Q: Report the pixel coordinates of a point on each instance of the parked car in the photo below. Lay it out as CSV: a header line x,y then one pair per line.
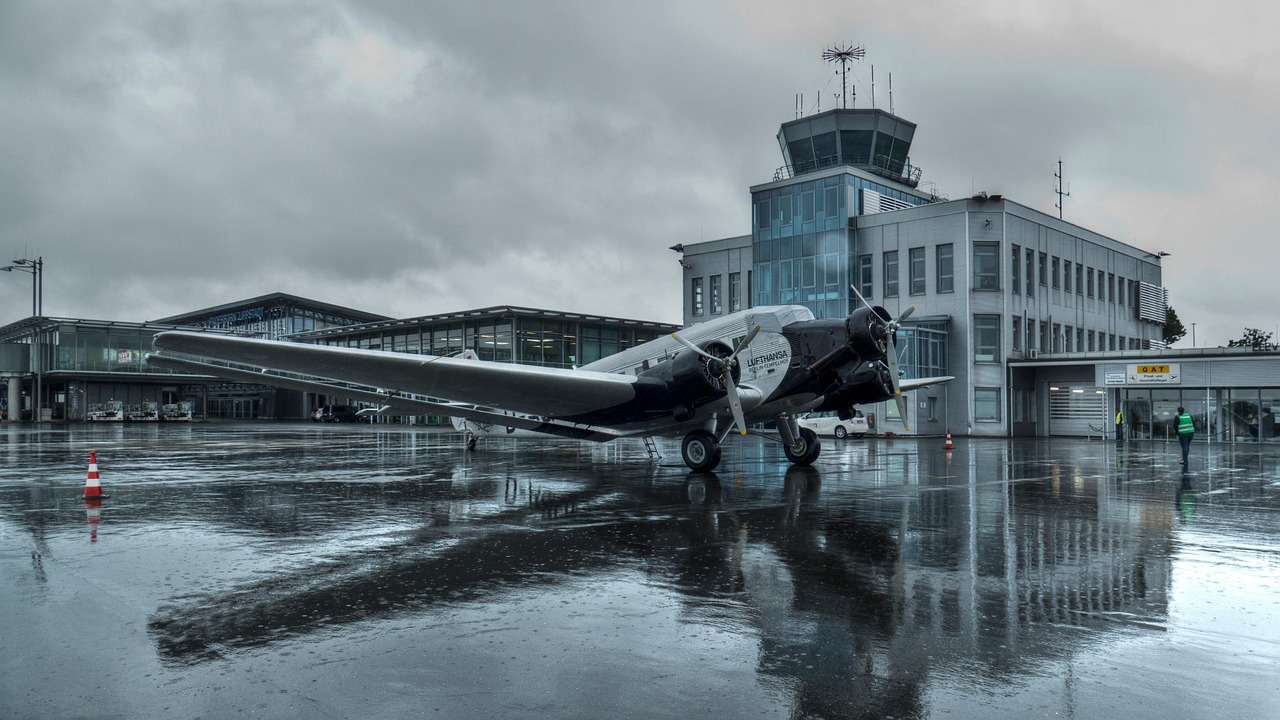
x,y
830,425
338,413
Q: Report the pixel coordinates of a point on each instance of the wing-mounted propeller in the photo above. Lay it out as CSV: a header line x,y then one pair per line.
x,y
723,368
891,354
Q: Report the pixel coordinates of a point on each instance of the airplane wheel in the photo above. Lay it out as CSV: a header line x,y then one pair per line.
x,y
701,451
806,448
841,433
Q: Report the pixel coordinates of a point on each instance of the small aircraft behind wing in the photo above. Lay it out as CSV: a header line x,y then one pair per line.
x,y
765,364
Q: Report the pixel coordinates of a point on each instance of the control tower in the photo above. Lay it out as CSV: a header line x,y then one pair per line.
x,y
871,140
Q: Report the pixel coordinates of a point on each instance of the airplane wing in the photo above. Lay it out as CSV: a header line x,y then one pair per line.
x,y
388,401
539,391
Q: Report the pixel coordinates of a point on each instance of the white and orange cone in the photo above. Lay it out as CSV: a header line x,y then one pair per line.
x,y
92,485
949,445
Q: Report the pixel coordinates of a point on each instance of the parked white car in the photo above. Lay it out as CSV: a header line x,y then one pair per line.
x,y
828,424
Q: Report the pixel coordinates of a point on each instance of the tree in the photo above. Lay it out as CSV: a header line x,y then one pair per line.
x,y
1253,338
1173,328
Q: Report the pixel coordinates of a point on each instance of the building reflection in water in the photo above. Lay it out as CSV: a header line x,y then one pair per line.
x,y
859,587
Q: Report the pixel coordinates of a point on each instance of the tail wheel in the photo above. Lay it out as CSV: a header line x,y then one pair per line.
x,y
806,448
700,450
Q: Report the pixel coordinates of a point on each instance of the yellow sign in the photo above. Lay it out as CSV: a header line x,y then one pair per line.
x,y
1151,374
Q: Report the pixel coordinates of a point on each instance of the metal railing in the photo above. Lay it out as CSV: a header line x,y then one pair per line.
x,y
883,165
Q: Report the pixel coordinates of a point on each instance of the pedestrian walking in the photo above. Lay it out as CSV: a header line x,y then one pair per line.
x,y
1119,425
1186,429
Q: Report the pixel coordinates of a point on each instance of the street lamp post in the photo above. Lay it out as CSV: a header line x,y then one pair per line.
x,y
36,268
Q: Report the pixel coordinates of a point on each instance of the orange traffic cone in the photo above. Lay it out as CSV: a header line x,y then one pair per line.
x,y
949,445
92,488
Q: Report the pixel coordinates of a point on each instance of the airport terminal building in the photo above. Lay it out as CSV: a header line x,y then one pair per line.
x,y
1045,325
71,369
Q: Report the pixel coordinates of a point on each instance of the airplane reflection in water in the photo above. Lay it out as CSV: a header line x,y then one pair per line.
x,y
883,582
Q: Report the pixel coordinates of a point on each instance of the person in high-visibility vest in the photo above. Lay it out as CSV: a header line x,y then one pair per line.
x,y
1119,425
1186,429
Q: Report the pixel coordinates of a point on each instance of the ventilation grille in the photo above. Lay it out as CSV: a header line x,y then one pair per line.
x,y
873,202
1152,301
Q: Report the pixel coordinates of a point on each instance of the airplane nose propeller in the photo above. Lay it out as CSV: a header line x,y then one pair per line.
x,y
725,366
891,355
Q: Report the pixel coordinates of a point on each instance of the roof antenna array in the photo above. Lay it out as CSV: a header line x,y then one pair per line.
x,y
844,55
1057,188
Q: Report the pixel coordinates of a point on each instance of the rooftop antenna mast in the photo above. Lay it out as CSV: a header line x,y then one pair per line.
x,y
844,55
1057,188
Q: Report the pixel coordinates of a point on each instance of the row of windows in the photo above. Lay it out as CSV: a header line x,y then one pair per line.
x,y
533,341
1042,336
944,271
1069,277
698,304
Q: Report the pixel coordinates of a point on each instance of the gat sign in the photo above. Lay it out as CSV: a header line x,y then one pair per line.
x,y
1153,374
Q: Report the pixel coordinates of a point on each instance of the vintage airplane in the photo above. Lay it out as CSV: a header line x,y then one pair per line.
x,y
765,364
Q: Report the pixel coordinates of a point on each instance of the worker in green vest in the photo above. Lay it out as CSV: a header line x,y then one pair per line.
x,y
1119,425
1186,429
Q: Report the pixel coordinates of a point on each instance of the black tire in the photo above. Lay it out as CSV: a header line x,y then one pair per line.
x,y
840,432
806,448
700,451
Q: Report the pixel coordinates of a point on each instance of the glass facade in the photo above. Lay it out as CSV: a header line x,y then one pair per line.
x,y
802,243
531,339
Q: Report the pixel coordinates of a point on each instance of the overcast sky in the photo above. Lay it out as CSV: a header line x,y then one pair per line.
x,y
416,157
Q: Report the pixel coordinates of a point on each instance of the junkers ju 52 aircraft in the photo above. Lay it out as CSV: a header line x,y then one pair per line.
x,y
765,364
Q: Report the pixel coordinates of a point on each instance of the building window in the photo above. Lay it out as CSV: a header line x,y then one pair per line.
x,y
1057,337
1016,268
735,291
716,306
1066,276
1102,285
864,276
695,294
891,273
1017,333
986,266
1031,334
1079,279
1031,273
986,404
946,268
1089,273
1057,283
986,338
1044,269
915,266
1111,287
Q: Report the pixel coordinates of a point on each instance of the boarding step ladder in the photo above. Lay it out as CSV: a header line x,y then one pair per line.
x,y
651,446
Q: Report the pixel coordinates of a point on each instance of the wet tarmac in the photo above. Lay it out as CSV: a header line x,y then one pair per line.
x,y
317,571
